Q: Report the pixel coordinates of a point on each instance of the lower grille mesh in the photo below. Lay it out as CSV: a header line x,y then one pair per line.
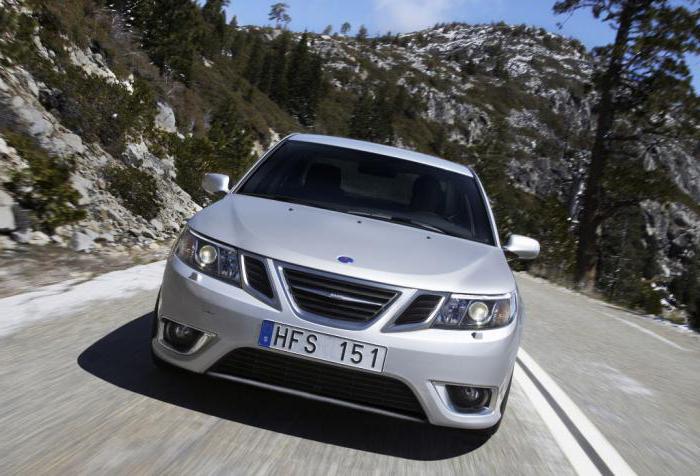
x,y
326,380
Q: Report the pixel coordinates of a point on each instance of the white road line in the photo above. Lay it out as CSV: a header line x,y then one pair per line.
x,y
585,427
566,441
647,332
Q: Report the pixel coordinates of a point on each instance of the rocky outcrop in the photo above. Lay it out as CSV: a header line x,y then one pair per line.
x,y
676,230
106,214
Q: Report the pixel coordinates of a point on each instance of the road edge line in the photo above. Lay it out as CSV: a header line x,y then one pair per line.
x,y
591,435
648,332
573,452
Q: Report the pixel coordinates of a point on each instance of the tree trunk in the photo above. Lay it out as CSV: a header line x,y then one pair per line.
x,y
587,251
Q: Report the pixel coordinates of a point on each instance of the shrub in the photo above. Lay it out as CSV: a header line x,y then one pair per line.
x,y
686,288
193,158
99,110
45,187
136,189
646,299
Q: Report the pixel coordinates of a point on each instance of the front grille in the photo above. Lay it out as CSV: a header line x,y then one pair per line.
x,y
256,273
326,380
337,298
419,310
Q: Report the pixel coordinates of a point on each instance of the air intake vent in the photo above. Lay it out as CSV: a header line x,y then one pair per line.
x,y
337,298
350,385
419,310
257,277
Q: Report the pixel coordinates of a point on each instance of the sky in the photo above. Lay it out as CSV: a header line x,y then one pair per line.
x,y
400,16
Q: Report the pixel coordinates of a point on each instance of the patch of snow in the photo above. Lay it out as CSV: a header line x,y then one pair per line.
x,y
60,300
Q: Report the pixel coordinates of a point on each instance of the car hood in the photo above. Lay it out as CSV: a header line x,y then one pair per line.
x,y
381,251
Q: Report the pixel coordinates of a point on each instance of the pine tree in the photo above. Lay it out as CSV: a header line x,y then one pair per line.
x,y
279,14
644,81
265,81
217,31
278,87
328,30
303,82
362,33
345,28
255,62
172,32
372,117
231,140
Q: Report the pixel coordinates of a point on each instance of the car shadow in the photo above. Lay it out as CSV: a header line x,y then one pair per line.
x,y
123,358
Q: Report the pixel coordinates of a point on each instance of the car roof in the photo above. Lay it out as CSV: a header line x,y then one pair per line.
x,y
383,150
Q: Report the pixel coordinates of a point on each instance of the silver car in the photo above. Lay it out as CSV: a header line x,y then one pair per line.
x,y
353,273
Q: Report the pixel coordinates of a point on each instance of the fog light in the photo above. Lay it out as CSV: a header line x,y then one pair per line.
x,y
180,337
468,399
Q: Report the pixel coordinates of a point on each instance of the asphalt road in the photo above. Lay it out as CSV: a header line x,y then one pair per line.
x,y
79,395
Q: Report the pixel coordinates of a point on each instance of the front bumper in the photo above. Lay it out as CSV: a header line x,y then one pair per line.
x,y
425,360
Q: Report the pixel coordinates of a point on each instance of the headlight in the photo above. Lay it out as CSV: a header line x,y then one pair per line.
x,y
212,259
476,312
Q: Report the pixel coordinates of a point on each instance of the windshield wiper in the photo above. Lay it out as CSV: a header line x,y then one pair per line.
x,y
398,219
419,224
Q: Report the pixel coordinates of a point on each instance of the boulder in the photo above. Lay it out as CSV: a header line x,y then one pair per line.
x,y
106,237
83,186
93,235
64,231
39,238
157,225
165,119
81,242
5,149
22,236
7,216
6,243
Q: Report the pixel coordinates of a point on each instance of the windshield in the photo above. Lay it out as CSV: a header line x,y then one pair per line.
x,y
375,186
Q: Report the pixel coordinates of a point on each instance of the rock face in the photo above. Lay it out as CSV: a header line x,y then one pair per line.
x,y
21,106
676,230
138,155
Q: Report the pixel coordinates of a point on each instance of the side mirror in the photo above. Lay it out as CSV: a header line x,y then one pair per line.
x,y
522,247
215,183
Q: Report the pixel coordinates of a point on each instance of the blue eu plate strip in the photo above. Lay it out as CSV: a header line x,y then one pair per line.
x,y
266,333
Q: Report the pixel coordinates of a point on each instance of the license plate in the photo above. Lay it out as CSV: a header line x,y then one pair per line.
x,y
322,346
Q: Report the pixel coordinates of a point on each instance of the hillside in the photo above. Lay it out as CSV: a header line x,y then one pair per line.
x,y
106,126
